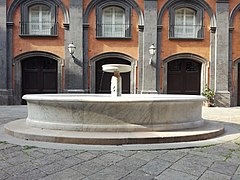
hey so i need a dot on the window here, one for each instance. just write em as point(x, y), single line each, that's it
point(113, 20)
point(186, 23)
point(38, 20)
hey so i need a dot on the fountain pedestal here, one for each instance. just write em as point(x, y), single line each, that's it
point(116, 81)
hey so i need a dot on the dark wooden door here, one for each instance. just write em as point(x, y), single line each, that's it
point(183, 77)
point(238, 101)
point(103, 79)
point(39, 75)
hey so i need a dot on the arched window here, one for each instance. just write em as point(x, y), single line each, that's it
point(113, 22)
point(185, 23)
point(40, 20)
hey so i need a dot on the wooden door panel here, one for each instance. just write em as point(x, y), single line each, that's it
point(176, 86)
point(183, 77)
point(49, 81)
point(39, 75)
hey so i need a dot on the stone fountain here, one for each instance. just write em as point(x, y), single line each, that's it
point(113, 118)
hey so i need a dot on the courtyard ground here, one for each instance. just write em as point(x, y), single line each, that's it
point(180, 161)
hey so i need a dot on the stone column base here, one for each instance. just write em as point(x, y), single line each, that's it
point(6, 97)
point(222, 99)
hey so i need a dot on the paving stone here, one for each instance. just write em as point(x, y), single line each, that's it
point(14, 154)
point(195, 159)
point(11, 149)
point(223, 168)
point(230, 145)
point(189, 167)
point(20, 168)
point(210, 175)
point(52, 168)
point(206, 155)
point(34, 153)
point(131, 163)
point(47, 159)
point(125, 153)
point(4, 175)
point(2, 157)
point(113, 172)
point(233, 158)
point(99, 153)
point(218, 150)
point(66, 174)
point(86, 156)
point(111, 158)
point(147, 155)
point(31, 175)
point(19, 159)
point(70, 161)
point(171, 174)
point(90, 167)
point(49, 151)
point(138, 175)
point(155, 167)
point(4, 164)
point(238, 170)
point(67, 153)
point(172, 156)
point(236, 177)
point(4, 145)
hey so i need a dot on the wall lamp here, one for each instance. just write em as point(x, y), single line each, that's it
point(71, 48)
point(152, 51)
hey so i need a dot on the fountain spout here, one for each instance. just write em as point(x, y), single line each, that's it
point(116, 81)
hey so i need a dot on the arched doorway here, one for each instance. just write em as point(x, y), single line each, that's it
point(183, 77)
point(103, 79)
point(39, 75)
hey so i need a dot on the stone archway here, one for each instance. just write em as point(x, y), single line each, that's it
point(183, 77)
point(18, 71)
point(203, 66)
point(236, 83)
point(39, 76)
point(112, 58)
point(103, 79)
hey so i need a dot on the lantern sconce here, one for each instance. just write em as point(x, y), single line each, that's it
point(71, 48)
point(152, 51)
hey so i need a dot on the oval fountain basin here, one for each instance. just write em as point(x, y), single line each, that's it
point(103, 113)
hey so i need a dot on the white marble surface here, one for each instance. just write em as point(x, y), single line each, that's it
point(111, 68)
point(94, 112)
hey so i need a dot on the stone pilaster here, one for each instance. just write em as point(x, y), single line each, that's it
point(3, 55)
point(148, 81)
point(74, 66)
point(222, 97)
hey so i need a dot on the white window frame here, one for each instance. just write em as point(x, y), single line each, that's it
point(113, 25)
point(41, 30)
point(184, 27)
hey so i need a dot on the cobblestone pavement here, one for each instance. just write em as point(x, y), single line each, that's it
point(216, 162)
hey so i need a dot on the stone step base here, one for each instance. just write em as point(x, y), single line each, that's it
point(19, 129)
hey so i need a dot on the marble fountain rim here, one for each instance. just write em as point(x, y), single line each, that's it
point(108, 98)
